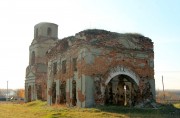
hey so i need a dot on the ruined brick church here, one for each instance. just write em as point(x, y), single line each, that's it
point(94, 67)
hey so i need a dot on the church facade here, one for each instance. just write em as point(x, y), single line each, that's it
point(94, 67)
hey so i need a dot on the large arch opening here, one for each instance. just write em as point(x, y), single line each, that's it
point(121, 90)
point(29, 94)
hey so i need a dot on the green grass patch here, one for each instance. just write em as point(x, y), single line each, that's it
point(39, 109)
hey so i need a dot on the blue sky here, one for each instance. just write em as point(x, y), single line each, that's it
point(156, 19)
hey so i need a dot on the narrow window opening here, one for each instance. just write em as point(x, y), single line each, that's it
point(29, 94)
point(74, 99)
point(74, 64)
point(39, 92)
point(33, 58)
point(63, 92)
point(49, 31)
point(36, 32)
point(55, 68)
point(54, 92)
point(64, 66)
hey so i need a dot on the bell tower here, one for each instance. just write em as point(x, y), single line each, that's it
point(46, 30)
point(45, 37)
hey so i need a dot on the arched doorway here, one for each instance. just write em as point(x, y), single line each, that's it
point(74, 100)
point(54, 92)
point(29, 94)
point(63, 93)
point(121, 90)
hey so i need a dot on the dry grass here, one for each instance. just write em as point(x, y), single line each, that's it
point(14, 110)
point(38, 109)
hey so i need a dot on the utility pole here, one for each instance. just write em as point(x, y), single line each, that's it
point(125, 99)
point(7, 92)
point(163, 88)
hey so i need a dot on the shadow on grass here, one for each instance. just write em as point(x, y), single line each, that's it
point(164, 111)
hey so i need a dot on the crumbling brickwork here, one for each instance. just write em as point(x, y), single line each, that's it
point(100, 67)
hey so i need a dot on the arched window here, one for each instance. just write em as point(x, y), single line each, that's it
point(49, 31)
point(33, 58)
point(36, 32)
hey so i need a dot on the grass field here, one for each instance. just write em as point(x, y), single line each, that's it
point(38, 109)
